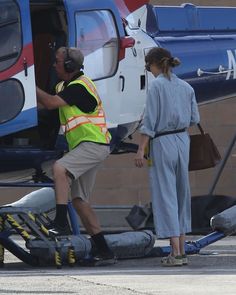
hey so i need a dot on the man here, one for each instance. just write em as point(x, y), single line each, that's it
point(83, 122)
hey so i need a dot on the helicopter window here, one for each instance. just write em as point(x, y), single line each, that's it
point(11, 99)
point(98, 40)
point(10, 32)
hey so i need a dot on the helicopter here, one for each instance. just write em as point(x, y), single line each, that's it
point(114, 36)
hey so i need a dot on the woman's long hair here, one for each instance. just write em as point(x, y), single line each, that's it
point(163, 59)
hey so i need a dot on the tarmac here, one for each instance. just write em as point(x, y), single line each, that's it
point(212, 271)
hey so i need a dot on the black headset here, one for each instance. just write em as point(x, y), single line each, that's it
point(69, 63)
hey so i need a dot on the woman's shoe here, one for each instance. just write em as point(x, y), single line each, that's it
point(185, 259)
point(172, 261)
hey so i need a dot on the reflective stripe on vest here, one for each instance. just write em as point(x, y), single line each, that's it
point(80, 120)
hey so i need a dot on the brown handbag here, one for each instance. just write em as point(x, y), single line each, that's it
point(203, 152)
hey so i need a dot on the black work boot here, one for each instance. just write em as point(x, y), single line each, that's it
point(58, 230)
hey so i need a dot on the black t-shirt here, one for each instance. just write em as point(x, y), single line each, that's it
point(77, 94)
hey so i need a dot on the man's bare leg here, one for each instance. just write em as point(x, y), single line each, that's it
point(87, 216)
point(92, 226)
point(60, 225)
point(62, 184)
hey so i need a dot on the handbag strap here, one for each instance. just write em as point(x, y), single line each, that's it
point(201, 129)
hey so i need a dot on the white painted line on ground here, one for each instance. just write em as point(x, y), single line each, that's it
point(86, 272)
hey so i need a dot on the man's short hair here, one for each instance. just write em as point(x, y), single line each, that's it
point(74, 54)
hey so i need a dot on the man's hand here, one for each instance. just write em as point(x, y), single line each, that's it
point(49, 101)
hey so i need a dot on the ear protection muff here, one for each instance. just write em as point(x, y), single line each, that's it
point(69, 64)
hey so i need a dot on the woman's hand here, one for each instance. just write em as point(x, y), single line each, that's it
point(139, 158)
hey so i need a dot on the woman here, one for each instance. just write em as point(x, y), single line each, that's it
point(171, 108)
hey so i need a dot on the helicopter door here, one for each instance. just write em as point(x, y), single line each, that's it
point(17, 81)
point(97, 29)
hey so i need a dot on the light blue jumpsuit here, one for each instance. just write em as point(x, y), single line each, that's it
point(171, 105)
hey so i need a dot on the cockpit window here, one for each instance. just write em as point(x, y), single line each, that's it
point(10, 33)
point(98, 40)
point(12, 99)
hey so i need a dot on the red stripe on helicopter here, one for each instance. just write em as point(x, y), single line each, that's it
point(26, 59)
point(127, 6)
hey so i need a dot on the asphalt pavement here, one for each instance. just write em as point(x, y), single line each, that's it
point(212, 271)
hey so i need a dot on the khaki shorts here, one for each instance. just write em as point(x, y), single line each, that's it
point(83, 163)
